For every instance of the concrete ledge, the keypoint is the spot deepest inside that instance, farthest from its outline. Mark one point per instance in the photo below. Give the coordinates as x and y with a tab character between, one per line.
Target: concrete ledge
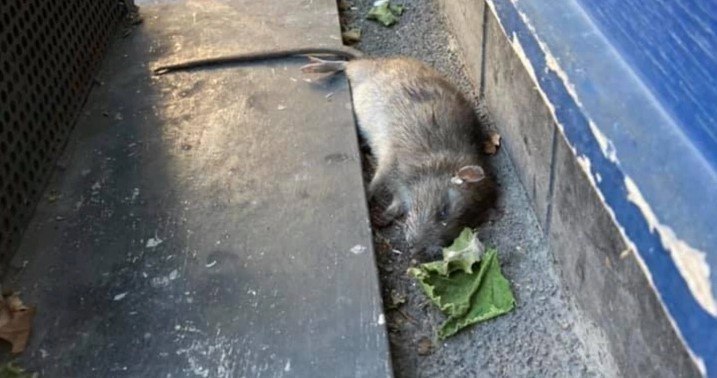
606	281
599	267
525	122
466	19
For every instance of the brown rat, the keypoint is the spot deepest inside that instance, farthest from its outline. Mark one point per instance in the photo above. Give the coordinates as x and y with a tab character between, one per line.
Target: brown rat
423	134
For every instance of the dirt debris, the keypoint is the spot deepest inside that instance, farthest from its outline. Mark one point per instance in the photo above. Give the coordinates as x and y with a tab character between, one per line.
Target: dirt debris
492	143
15	321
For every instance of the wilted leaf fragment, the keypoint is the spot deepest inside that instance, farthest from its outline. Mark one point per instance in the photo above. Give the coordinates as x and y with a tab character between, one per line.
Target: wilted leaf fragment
490	146
397	299
10	370
464	294
15	322
461	255
351	36
424	347
385	12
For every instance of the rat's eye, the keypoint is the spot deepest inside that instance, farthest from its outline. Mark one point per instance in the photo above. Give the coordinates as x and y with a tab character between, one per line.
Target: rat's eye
443	213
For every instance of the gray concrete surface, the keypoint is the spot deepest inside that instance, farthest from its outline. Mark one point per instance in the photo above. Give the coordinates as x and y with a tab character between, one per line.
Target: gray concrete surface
210	223
612	288
518	110
544	335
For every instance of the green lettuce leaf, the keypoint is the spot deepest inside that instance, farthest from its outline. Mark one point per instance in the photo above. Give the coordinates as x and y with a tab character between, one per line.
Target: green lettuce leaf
464	294
385	12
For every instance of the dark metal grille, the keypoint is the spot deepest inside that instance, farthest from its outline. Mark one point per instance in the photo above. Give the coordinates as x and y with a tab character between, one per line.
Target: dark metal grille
49	50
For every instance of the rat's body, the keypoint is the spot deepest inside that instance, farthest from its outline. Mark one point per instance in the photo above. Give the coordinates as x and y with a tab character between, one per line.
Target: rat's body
424	136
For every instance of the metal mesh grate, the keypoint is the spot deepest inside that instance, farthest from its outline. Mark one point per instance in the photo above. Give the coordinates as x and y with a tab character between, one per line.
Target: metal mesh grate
49	51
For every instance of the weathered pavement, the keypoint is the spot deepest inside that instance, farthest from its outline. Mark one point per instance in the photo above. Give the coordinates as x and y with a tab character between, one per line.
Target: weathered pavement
211	223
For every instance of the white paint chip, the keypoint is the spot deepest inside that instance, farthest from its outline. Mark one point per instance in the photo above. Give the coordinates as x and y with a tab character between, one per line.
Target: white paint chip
690	262
211	264
358	249
153	242
120	296
606	145
518	48
381	319
287	367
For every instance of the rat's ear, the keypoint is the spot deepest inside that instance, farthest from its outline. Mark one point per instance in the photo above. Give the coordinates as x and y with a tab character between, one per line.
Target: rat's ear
469	174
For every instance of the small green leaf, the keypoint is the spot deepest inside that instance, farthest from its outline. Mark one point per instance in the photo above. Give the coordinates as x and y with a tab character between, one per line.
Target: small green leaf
385	12
465	295
493	297
396	9
10	370
464	252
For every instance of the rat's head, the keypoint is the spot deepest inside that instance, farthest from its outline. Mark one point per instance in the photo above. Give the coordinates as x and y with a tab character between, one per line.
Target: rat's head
441	206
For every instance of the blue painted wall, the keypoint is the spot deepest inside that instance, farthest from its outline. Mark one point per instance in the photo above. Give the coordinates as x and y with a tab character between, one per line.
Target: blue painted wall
672	46
643	74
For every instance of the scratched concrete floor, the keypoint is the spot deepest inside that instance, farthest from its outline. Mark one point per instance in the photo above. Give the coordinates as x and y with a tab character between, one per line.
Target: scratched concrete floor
544	335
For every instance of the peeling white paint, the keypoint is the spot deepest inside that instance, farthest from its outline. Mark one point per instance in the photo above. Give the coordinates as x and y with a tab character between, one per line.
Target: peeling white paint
606	146
691	262
552	64
585	164
524	58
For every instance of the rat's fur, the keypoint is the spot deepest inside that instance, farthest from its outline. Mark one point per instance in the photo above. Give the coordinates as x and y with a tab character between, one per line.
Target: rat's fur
422	132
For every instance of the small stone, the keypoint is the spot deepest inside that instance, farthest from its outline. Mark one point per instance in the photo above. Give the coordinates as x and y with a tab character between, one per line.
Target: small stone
425	346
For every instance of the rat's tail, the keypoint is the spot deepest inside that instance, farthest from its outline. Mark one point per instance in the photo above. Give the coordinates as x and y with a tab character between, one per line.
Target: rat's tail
317	65
345	52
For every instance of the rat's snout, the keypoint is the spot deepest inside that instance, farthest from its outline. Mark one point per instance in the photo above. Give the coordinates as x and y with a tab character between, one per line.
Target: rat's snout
433	252
422	235
422	246
411	233
427	253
